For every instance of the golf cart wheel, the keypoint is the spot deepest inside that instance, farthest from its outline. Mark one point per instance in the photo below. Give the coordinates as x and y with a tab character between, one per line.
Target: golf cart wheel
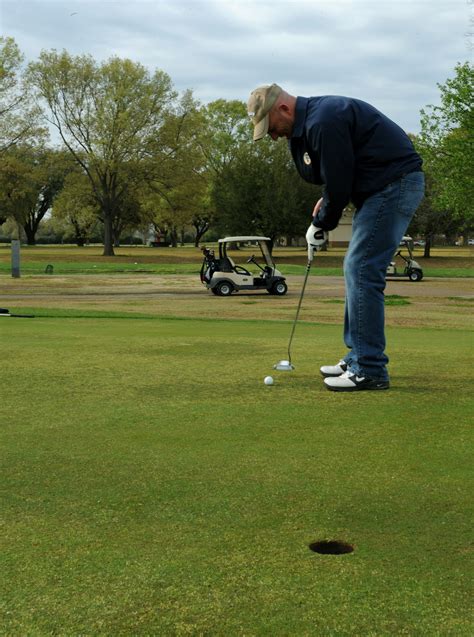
415	275
279	288
224	288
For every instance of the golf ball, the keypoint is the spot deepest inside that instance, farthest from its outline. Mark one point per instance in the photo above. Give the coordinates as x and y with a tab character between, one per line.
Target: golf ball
268	380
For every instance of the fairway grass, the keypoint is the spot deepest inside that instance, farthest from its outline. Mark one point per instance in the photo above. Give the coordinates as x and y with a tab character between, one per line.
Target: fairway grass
153	485
71	260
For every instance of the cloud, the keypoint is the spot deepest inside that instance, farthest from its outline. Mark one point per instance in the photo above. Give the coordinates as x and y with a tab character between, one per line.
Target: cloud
389	53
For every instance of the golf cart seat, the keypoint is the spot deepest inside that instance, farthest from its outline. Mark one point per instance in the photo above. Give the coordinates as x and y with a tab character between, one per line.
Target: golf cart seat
231	266
226	265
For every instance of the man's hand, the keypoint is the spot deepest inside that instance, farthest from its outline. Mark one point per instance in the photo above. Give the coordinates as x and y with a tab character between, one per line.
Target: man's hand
318	206
315	237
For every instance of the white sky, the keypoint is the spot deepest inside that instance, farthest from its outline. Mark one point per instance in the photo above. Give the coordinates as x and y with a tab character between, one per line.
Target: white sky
389	53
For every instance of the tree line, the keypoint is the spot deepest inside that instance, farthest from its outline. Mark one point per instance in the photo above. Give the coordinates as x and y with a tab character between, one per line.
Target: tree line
129	153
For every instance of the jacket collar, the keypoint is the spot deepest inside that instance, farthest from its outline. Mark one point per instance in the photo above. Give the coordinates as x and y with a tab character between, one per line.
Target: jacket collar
300	116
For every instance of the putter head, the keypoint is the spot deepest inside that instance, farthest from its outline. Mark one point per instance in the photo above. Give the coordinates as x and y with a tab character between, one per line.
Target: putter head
284	366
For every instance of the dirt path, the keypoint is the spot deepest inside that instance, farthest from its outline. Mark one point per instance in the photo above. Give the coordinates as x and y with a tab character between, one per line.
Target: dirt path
41	288
443	303
334	286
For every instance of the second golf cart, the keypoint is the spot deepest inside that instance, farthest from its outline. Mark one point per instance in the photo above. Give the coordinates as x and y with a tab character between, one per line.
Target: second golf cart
222	276
411	268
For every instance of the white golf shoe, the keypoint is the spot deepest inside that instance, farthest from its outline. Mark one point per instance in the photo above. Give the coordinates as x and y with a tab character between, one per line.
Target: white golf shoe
334	370
348	381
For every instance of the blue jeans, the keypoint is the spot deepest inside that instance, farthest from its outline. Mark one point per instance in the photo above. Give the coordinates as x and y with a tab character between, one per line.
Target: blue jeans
377	229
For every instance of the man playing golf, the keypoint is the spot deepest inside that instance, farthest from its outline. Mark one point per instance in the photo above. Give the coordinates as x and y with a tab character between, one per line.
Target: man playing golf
359	155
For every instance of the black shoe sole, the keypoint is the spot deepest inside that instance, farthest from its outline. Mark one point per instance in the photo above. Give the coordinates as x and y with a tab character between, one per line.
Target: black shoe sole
361	387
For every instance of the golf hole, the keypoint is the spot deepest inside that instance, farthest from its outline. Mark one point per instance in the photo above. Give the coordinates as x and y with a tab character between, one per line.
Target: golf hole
331	547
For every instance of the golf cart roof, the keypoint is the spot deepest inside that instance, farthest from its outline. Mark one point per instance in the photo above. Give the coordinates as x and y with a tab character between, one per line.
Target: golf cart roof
237	239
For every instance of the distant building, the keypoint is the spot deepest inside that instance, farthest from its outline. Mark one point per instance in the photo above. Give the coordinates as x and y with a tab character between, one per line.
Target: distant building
340	236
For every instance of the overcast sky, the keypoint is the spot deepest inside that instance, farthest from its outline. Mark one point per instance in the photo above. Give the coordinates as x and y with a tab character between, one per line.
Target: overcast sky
389	53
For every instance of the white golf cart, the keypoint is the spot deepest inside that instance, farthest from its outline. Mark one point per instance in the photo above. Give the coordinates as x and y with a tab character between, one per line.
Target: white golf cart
411	268
222	276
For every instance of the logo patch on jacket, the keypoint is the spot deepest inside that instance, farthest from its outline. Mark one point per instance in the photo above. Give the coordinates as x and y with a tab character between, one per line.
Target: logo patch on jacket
307	159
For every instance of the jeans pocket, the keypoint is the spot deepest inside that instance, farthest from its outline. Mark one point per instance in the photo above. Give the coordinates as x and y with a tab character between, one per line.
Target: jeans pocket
411	193
414	181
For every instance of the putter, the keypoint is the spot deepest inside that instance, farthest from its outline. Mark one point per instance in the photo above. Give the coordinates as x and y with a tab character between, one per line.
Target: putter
286	365
7	313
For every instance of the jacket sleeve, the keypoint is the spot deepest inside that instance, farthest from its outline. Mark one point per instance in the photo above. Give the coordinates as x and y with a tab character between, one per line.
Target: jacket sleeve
333	142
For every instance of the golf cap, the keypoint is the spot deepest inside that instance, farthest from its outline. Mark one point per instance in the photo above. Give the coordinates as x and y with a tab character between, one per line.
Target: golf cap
260	102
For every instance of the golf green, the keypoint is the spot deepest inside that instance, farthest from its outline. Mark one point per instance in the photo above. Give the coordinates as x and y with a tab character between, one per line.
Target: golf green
153	485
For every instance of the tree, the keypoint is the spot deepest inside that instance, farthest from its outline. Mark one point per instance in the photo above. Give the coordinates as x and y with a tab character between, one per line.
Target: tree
225	128
128	214
430	221
175	192
447	146
108	115
76	207
18	115
201	221
30	179
49	170
17	191
222	131
261	193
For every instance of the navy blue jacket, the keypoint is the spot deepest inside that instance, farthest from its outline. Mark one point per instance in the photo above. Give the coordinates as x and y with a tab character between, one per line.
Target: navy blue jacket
351	148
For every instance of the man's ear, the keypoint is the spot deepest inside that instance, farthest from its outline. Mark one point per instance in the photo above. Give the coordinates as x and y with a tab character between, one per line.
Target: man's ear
284	108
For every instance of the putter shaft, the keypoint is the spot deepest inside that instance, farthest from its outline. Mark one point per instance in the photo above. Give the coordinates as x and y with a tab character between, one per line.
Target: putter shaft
308	267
